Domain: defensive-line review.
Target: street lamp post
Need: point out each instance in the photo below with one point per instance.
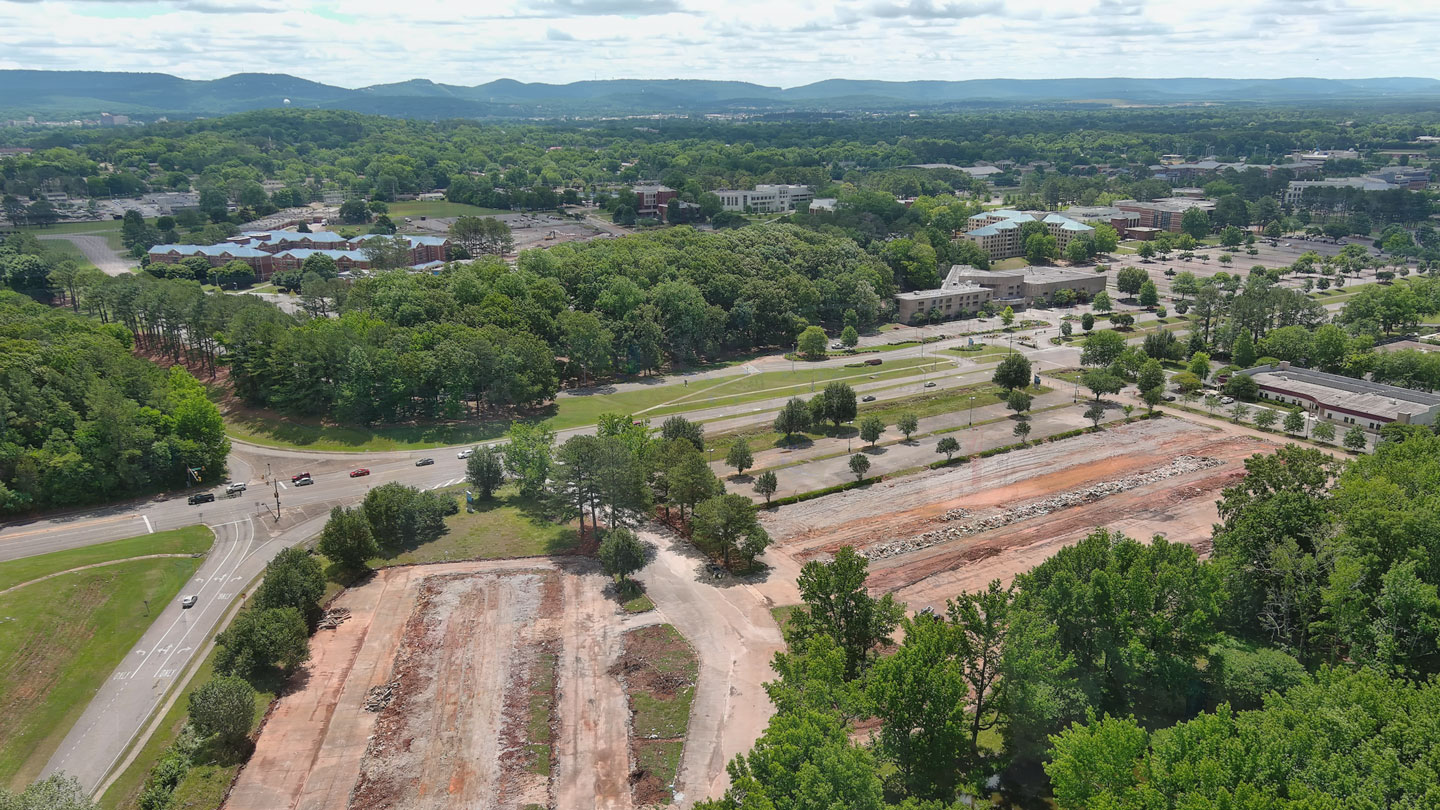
(972, 412)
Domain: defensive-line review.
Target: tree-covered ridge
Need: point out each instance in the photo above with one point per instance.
(83, 420)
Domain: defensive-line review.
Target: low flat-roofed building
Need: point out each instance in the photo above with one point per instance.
(1164, 213)
(966, 289)
(1346, 400)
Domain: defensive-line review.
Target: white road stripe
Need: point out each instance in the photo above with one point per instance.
(148, 528)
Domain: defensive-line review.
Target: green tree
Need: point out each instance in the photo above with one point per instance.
(1294, 422)
(1007, 316)
(907, 423)
(1200, 365)
(1095, 758)
(1149, 294)
(1196, 223)
(981, 622)
(1040, 248)
(1087, 321)
(678, 427)
(259, 639)
(849, 337)
(1354, 439)
(1022, 428)
(689, 480)
(346, 539)
(949, 446)
(728, 524)
(621, 554)
(812, 342)
(1018, 401)
(836, 403)
(1151, 376)
(58, 791)
(528, 453)
(1100, 382)
(794, 417)
(1324, 431)
(485, 470)
(859, 466)
(402, 516)
(1102, 348)
(920, 695)
(838, 605)
(766, 484)
(223, 708)
(740, 457)
(1130, 280)
(1265, 418)
(872, 427)
(1242, 353)
(293, 578)
(1012, 372)
(804, 760)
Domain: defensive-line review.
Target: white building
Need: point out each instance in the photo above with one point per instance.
(765, 199)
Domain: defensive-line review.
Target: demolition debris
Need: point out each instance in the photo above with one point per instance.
(1077, 497)
(380, 696)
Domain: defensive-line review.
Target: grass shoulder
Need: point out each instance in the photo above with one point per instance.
(507, 525)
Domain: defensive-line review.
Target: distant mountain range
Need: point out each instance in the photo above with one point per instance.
(87, 93)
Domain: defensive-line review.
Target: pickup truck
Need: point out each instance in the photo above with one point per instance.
(202, 497)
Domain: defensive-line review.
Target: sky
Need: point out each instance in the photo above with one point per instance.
(354, 43)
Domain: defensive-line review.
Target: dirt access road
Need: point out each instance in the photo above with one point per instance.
(464, 641)
(918, 510)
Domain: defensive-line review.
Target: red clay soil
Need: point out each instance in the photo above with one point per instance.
(1182, 508)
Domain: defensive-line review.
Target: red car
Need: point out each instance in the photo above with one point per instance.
(295, 479)
(359, 472)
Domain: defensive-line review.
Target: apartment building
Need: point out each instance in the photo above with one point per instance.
(268, 252)
(998, 232)
(765, 199)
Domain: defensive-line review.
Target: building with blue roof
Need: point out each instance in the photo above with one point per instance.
(268, 252)
(998, 232)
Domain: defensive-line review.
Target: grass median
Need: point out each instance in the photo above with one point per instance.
(62, 637)
(660, 672)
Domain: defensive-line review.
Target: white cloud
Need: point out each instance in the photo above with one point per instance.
(772, 42)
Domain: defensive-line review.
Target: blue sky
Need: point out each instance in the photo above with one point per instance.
(775, 42)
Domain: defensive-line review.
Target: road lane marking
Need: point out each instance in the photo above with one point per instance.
(148, 528)
(66, 528)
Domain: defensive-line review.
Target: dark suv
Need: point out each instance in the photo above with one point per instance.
(202, 497)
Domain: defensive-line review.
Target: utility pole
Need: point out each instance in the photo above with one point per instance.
(277, 498)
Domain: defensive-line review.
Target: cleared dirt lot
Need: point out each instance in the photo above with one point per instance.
(502, 672)
(917, 510)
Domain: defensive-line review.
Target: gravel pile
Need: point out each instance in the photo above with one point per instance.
(1076, 497)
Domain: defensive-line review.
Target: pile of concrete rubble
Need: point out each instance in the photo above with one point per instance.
(1075, 497)
(380, 696)
(333, 618)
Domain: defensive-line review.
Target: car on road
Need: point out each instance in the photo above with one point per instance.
(1169, 397)
(202, 497)
(424, 462)
(930, 384)
(1227, 400)
(234, 488)
(296, 479)
(359, 472)
(189, 601)
(868, 398)
(466, 453)
(305, 482)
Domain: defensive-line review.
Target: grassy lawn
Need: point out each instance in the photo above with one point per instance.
(438, 208)
(99, 226)
(509, 525)
(542, 712)
(660, 680)
(978, 350)
(774, 384)
(65, 249)
(189, 540)
(1012, 263)
(60, 639)
(782, 614)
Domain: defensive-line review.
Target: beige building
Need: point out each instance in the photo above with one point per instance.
(966, 289)
(1346, 400)
(998, 232)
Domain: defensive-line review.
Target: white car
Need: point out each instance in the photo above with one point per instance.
(1227, 400)
(466, 453)
(235, 488)
(189, 601)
